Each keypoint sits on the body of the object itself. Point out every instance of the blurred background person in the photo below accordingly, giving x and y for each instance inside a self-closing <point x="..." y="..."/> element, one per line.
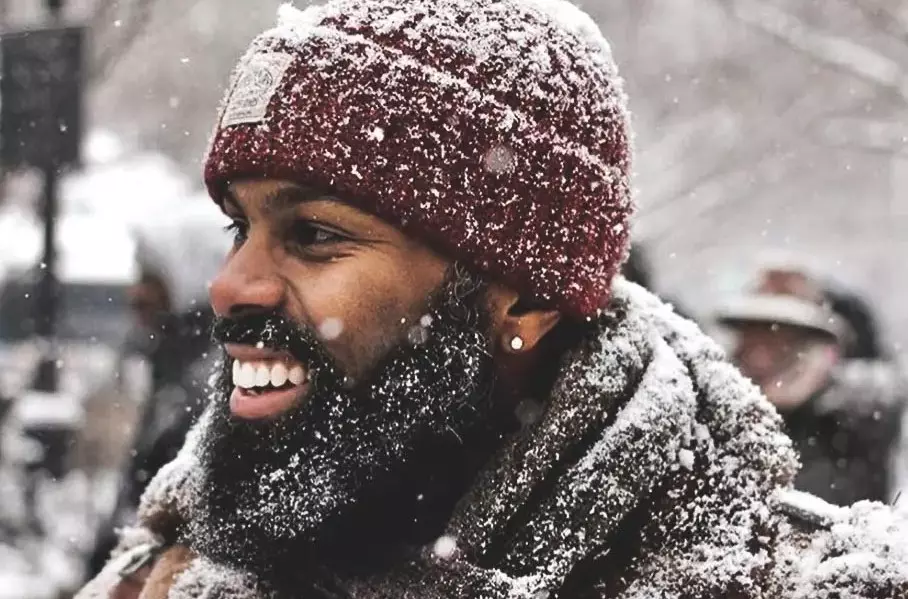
<point x="874" y="365"/>
<point x="175" y="345"/>
<point x="173" y="348"/>
<point x="841" y="402"/>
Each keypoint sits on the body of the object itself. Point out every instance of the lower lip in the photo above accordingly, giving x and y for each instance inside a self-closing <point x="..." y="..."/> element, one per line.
<point x="267" y="405"/>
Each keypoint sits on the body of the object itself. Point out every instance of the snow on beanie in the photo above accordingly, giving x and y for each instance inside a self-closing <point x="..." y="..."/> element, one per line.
<point x="495" y="131"/>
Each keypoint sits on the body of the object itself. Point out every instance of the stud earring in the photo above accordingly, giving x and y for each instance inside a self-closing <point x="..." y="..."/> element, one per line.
<point x="516" y="343"/>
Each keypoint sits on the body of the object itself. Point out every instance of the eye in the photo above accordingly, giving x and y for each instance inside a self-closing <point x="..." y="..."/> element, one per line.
<point x="240" y="231"/>
<point x="308" y="234"/>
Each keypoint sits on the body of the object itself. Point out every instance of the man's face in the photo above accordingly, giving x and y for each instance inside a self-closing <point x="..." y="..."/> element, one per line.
<point x="764" y="351"/>
<point x="148" y="301"/>
<point x="357" y="377"/>
<point x="790" y="364"/>
<point x="347" y="275"/>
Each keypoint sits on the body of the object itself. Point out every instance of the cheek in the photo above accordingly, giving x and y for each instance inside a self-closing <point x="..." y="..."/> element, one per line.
<point x="354" y="308"/>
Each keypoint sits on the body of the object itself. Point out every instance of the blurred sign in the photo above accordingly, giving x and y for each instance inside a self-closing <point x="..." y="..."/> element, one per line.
<point x="41" y="97"/>
<point x="40" y="410"/>
<point x="50" y="419"/>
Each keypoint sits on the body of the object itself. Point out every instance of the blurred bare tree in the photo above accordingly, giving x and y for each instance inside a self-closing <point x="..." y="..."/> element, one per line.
<point x="770" y="125"/>
<point x="115" y="25"/>
<point x="164" y="93"/>
<point x="863" y="39"/>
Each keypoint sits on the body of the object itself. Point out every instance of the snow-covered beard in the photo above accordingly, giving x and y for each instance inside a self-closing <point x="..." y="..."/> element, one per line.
<point x="352" y="469"/>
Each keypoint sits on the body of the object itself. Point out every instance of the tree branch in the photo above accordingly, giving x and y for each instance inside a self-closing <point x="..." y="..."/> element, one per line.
<point x="131" y="30"/>
<point x="844" y="54"/>
<point x="102" y="13"/>
<point x="883" y="19"/>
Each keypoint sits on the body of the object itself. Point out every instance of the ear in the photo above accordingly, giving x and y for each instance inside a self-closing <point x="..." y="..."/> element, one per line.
<point x="518" y="326"/>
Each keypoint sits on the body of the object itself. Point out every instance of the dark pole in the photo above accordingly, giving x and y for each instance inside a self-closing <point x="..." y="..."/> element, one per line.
<point x="46" y="308"/>
<point x="47" y="291"/>
<point x="46" y="297"/>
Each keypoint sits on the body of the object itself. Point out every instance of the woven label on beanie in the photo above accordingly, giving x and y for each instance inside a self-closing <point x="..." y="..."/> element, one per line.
<point x="256" y="82"/>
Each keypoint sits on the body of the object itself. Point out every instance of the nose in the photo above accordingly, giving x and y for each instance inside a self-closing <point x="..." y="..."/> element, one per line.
<point x="756" y="359"/>
<point x="247" y="281"/>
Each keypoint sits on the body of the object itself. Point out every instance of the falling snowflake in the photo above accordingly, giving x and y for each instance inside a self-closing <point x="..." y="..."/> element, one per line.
<point x="417" y="335"/>
<point x="498" y="160"/>
<point x="377" y="134"/>
<point x="445" y="547"/>
<point x="686" y="459"/>
<point x="331" y="328"/>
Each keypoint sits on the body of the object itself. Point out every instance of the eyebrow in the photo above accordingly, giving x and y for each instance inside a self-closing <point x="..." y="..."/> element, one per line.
<point x="281" y="199"/>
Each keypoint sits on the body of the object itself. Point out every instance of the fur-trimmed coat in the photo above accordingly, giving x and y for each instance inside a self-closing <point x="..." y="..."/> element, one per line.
<point x="655" y="470"/>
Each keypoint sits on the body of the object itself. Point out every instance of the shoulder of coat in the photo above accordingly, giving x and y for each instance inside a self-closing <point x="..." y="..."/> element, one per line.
<point x="867" y="387"/>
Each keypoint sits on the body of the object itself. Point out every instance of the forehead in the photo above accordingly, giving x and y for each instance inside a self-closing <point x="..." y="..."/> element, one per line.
<point x="274" y="198"/>
<point x="274" y="195"/>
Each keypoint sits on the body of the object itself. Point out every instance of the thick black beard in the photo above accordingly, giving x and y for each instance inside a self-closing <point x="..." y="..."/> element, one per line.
<point x="355" y="474"/>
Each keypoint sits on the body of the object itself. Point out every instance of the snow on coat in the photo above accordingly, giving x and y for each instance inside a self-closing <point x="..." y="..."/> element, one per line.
<point x="655" y="470"/>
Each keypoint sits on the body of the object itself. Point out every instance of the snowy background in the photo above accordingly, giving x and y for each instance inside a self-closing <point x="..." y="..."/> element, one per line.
<point x="763" y="127"/>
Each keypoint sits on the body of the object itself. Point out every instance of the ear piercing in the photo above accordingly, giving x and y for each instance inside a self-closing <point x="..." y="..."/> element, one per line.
<point x="516" y="343"/>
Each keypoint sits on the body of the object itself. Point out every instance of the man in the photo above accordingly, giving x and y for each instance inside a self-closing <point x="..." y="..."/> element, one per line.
<point x="431" y="386"/>
<point x="843" y="415"/>
<point x="176" y="348"/>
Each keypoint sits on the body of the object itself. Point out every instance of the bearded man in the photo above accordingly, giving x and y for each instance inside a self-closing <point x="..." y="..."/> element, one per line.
<point x="433" y="385"/>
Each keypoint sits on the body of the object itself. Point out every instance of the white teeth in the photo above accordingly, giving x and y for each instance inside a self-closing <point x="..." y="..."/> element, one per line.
<point x="279" y="375"/>
<point x="247" y="376"/>
<point x="252" y="375"/>
<point x="297" y="375"/>
<point x="262" y="376"/>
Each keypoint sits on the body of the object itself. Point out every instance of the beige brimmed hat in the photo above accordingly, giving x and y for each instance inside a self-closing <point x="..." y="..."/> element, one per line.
<point x="785" y="296"/>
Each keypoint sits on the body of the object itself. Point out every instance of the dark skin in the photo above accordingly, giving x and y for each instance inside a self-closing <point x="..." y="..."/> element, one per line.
<point x="316" y="257"/>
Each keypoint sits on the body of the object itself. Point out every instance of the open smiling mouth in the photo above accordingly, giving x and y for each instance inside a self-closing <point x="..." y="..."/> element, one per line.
<point x="267" y="388"/>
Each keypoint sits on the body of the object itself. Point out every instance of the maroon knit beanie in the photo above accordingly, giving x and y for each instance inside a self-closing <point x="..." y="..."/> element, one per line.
<point x="495" y="131"/>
